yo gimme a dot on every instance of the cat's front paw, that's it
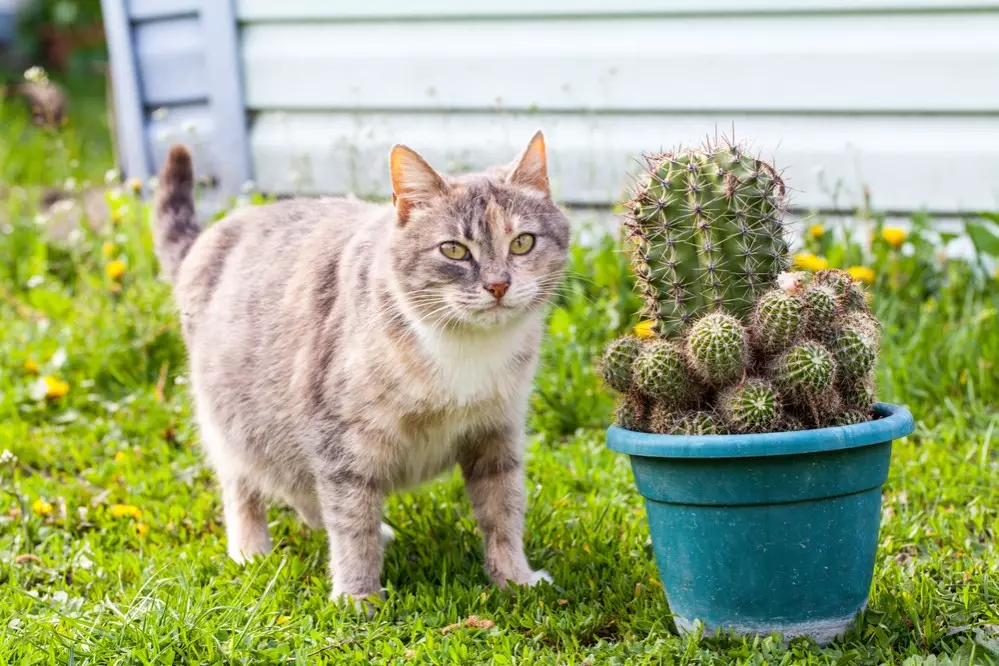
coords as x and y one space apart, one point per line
360 602
538 576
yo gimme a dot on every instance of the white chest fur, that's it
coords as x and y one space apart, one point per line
477 366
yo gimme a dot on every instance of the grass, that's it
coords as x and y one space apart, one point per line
112 546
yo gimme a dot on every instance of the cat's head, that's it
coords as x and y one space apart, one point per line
480 250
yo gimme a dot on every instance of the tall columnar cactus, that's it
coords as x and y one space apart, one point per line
708 230
731 351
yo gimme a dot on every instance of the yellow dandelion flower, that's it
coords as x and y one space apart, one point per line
810 262
134 184
55 388
125 511
282 620
817 231
119 457
141 529
861 274
894 236
115 269
117 215
31 366
645 329
41 507
108 249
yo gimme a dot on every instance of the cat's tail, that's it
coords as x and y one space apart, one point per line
176 226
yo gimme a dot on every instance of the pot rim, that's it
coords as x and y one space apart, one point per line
896 421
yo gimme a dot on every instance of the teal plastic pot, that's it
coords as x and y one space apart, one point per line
757 534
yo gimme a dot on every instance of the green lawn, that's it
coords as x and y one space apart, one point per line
112 546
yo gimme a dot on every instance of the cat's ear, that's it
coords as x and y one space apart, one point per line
414 182
531 168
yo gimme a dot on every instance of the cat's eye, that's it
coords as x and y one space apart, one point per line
455 251
522 244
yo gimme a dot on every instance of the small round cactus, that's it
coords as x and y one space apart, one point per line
859 392
806 370
821 306
660 372
619 358
778 320
791 423
825 408
632 412
695 423
753 406
851 294
851 417
664 418
855 352
718 349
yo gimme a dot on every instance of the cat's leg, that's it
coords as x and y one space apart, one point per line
311 514
494 480
245 520
351 503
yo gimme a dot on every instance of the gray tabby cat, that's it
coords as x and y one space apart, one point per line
340 350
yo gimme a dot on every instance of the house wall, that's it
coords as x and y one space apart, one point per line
897 97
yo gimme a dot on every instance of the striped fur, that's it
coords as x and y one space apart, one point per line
336 354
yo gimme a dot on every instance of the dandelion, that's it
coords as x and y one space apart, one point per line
861 274
111 177
108 249
282 620
134 184
70 185
54 388
31 366
34 281
7 457
141 529
810 262
125 511
817 231
894 236
115 269
645 329
41 507
119 457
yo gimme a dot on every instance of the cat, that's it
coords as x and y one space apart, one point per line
340 350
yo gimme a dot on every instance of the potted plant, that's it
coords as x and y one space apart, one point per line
748 405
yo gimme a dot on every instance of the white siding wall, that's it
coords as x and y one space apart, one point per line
900 96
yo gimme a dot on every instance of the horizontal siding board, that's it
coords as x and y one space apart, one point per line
171 61
908 163
269 10
145 10
900 63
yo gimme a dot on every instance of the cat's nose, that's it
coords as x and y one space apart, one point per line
498 289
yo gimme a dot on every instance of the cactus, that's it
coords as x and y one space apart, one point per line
708 233
855 352
750 352
821 307
691 423
850 293
618 361
632 412
717 348
806 370
858 393
778 320
851 417
753 406
660 371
